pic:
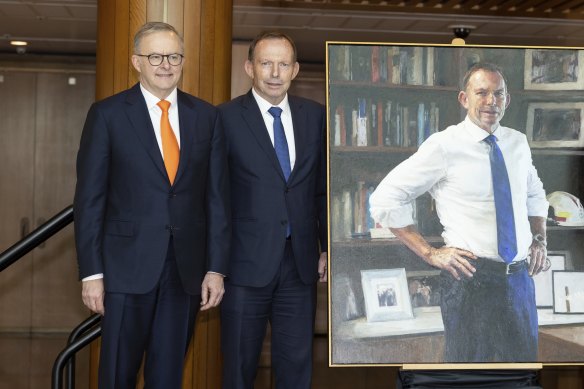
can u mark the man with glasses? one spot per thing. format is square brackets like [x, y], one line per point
[151, 216]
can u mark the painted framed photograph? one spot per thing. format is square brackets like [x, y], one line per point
[568, 289]
[384, 102]
[386, 294]
[555, 124]
[549, 69]
[544, 295]
[424, 288]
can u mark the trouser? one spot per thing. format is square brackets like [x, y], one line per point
[158, 324]
[289, 306]
[491, 317]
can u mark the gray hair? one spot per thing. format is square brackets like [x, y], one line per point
[152, 27]
[486, 66]
[270, 35]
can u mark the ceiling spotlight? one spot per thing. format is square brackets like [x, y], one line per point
[20, 46]
[461, 31]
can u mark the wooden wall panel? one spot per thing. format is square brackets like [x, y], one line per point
[44, 350]
[39, 295]
[137, 19]
[106, 36]
[117, 23]
[222, 52]
[207, 56]
[240, 82]
[192, 37]
[155, 9]
[122, 46]
[15, 361]
[60, 114]
[174, 14]
[17, 97]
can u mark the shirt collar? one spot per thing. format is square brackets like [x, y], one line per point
[152, 100]
[265, 105]
[478, 134]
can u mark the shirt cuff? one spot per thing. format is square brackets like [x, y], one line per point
[537, 208]
[214, 272]
[394, 218]
[93, 277]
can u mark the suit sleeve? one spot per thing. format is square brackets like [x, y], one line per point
[321, 193]
[218, 203]
[93, 160]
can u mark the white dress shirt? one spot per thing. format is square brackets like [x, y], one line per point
[454, 166]
[286, 118]
[155, 114]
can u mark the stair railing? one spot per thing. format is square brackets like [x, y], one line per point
[86, 331]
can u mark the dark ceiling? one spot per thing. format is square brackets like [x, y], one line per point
[69, 26]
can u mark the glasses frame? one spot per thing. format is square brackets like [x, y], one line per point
[163, 56]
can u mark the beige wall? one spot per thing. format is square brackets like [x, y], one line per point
[43, 109]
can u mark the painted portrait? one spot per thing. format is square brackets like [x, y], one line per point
[388, 103]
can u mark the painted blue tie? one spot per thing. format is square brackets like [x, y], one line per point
[506, 238]
[281, 147]
[280, 143]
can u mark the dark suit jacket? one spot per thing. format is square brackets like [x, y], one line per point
[126, 209]
[260, 195]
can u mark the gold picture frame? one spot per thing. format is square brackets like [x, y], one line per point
[383, 100]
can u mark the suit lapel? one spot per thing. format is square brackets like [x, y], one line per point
[300, 126]
[187, 118]
[255, 123]
[140, 118]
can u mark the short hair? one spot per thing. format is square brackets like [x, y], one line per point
[152, 27]
[270, 35]
[486, 66]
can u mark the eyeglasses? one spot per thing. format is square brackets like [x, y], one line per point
[157, 59]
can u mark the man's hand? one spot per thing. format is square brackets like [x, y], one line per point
[92, 293]
[538, 254]
[212, 291]
[538, 249]
[451, 259]
[454, 260]
[322, 268]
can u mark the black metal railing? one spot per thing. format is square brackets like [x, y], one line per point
[81, 336]
[36, 237]
[85, 332]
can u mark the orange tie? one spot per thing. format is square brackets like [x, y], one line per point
[170, 150]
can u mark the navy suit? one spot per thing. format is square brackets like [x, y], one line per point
[262, 260]
[131, 224]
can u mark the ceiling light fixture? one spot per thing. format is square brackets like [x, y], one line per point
[20, 46]
[461, 32]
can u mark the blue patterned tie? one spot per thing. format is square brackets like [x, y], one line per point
[280, 143]
[281, 147]
[506, 238]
